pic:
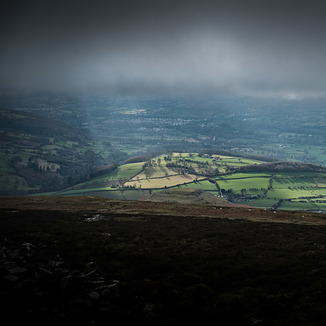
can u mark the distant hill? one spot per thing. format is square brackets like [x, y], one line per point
[193, 178]
[40, 154]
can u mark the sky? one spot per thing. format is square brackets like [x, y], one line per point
[248, 47]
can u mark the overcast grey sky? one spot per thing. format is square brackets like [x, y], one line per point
[227, 47]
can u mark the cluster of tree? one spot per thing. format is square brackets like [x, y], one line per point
[303, 187]
[282, 167]
[211, 152]
[15, 160]
[181, 168]
[278, 204]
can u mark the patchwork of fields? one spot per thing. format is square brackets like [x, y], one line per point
[220, 175]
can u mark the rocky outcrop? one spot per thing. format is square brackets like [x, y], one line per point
[41, 288]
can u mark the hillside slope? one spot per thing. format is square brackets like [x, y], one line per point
[241, 180]
[187, 196]
[40, 154]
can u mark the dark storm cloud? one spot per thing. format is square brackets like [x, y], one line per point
[256, 47]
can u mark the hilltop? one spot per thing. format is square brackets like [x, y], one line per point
[240, 180]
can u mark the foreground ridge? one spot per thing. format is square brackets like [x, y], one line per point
[144, 207]
[91, 261]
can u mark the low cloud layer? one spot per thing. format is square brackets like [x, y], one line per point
[154, 47]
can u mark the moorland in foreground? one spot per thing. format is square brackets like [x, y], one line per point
[96, 261]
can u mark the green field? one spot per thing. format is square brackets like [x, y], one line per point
[161, 182]
[204, 184]
[251, 182]
[126, 171]
[279, 193]
[293, 182]
[298, 205]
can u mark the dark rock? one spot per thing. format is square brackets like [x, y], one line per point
[94, 296]
[11, 278]
[17, 270]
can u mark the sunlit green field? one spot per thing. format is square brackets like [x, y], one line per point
[126, 171]
[293, 182]
[204, 184]
[244, 175]
[298, 205]
[237, 182]
[155, 172]
[288, 193]
[165, 182]
[320, 181]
